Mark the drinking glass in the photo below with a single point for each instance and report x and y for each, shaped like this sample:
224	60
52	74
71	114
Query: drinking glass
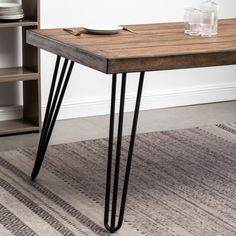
212	6
207	21
187	15
194	22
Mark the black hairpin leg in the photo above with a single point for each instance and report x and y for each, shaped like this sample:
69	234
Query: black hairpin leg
53	106
113	226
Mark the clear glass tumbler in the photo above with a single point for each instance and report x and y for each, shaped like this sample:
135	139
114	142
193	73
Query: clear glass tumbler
194	22
187	15
207	21
211	5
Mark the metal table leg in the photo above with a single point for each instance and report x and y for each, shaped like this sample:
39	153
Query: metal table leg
113	226
56	95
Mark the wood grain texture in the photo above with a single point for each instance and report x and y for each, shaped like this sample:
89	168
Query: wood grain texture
31	60
16	127
31	9
23	22
31	102
17	74
152	47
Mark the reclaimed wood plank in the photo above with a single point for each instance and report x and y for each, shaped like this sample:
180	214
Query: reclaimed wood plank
152	47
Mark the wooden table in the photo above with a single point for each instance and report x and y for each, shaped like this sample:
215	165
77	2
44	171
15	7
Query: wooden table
150	47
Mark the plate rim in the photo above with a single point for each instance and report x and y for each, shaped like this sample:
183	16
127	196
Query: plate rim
12	13
10	5
10	10
12	17
89	27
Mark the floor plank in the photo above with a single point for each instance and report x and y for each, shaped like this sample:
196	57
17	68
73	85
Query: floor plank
67	131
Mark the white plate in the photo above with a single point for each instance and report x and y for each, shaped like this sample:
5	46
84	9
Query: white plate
3	13
11	10
4	5
12	17
103	29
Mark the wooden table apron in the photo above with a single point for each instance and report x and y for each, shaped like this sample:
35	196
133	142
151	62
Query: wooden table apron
149	47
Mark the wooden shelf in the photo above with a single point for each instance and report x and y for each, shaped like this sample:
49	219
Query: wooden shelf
17	74
28	73
17	127
23	22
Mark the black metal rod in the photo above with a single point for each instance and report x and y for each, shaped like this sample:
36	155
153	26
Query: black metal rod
110	151
112	228
58	105
57	100
51	108
49	100
118	150
56	95
131	149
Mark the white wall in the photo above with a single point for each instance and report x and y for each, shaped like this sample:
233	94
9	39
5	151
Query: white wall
10	56
89	91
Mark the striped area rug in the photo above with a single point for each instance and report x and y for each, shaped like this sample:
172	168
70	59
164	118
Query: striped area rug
183	183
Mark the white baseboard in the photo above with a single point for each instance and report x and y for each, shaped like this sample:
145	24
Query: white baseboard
11	113
151	100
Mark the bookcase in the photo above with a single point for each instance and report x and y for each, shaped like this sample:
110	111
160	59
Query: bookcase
28	73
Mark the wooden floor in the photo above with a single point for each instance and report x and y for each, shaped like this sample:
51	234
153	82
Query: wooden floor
67	131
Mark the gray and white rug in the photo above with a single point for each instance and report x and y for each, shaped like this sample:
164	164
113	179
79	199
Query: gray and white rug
182	183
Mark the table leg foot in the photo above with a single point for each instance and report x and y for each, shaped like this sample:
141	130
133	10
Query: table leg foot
113	226
56	95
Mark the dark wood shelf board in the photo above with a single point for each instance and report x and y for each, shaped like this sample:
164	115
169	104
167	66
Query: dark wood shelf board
16	126
23	22
28	73
17	74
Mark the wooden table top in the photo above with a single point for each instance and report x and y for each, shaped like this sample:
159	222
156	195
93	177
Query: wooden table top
152	47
